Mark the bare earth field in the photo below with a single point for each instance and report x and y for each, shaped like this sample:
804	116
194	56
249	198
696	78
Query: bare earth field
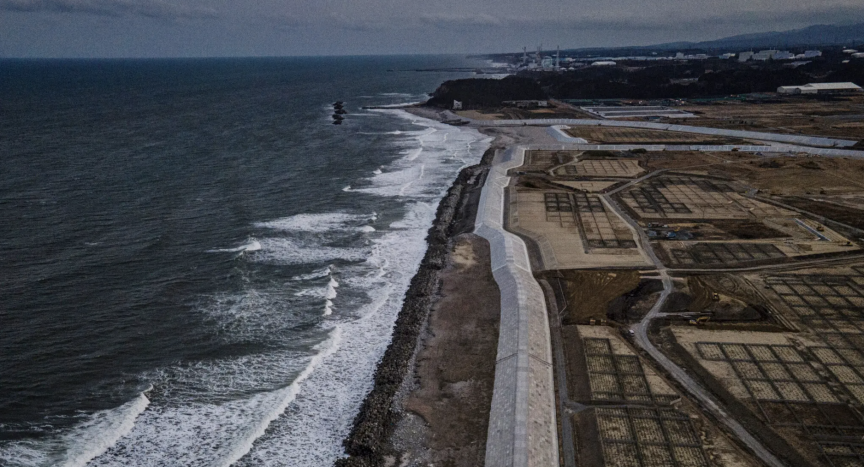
840	117
616	135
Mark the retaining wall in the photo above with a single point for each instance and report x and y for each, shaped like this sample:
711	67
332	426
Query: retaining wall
522	425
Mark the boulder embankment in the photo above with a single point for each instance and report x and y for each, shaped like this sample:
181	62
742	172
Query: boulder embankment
368	441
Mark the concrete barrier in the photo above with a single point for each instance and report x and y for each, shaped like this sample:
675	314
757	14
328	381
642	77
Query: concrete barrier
522	425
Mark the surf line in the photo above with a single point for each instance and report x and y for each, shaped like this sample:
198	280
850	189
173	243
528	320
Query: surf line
283	398
103	431
330	295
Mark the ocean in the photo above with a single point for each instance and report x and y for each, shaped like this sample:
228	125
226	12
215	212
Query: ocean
198	268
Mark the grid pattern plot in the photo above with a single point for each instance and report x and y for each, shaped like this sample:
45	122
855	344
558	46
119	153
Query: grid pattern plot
832	307
844	454
649	437
725	253
786	389
673	196
618	377
559	209
598	227
604	168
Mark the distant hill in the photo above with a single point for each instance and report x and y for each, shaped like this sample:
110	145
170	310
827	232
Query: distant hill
820	34
811	36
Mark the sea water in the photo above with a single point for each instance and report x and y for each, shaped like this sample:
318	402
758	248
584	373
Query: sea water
198	268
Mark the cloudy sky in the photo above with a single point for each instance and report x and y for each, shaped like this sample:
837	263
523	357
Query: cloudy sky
194	28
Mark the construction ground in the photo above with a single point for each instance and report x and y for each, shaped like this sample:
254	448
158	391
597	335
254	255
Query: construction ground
745	270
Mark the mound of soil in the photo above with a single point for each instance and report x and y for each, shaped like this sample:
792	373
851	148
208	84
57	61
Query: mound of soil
587	294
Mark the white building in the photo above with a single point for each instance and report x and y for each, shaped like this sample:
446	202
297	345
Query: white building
784	55
858	55
744	56
727	56
604	63
819	88
763	55
812	53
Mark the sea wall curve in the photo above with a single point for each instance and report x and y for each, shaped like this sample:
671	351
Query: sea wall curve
522	425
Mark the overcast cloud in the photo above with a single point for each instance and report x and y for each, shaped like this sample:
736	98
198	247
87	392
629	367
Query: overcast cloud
155	28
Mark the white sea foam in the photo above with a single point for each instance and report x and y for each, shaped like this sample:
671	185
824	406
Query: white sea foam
329	295
89	439
280	400
250	245
331	288
207	433
293	251
288	407
318	222
104	428
318	273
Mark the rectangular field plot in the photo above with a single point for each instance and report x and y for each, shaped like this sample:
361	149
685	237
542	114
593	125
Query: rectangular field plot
537	160
559	208
692	197
619	168
598	227
725	253
827	305
620	135
843	454
618	377
786	389
649	437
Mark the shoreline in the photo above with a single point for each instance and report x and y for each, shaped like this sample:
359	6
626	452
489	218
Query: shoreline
369	438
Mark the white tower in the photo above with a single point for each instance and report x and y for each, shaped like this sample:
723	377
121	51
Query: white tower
557	58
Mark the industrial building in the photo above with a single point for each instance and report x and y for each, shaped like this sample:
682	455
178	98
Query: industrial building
526	104
820	88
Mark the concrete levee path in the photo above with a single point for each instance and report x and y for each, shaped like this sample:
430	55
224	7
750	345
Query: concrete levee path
522	424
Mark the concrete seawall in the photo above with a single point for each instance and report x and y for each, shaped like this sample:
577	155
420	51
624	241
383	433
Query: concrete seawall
522	424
